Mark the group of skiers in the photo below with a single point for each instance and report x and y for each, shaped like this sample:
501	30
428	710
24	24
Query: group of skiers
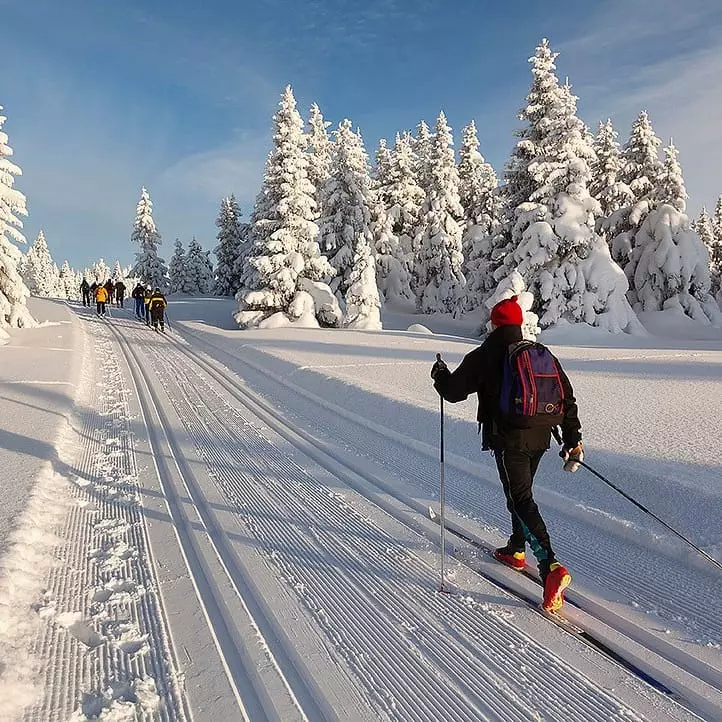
102	294
150	305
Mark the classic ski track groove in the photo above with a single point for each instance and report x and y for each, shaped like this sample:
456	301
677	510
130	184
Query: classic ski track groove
80	677
240	668
626	579
706	675
439	651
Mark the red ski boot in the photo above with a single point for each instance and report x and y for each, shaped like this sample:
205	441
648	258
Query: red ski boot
557	579
511	558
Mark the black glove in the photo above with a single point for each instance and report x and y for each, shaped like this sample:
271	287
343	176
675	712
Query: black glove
439	368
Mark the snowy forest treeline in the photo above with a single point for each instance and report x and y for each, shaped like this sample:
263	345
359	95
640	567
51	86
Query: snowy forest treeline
587	229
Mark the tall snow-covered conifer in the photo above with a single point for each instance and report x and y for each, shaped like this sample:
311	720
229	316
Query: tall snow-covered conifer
13	291
554	244
705	231
482	211
285	252
68	287
362	296
440	284
149	267
228	248
347	204
319	154
100	271
177	268
198	277
606	186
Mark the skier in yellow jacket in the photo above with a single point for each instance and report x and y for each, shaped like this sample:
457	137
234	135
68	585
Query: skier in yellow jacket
101	298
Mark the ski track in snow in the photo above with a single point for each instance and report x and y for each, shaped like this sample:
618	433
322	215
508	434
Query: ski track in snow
103	645
443	656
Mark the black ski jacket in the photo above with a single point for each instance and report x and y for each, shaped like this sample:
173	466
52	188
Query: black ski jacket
480	372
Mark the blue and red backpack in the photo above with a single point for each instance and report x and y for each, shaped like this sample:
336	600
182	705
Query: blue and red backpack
532	394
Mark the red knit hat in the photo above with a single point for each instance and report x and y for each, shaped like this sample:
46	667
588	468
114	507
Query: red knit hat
507	313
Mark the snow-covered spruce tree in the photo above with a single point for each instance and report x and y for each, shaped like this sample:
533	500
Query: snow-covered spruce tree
554	245
705	231
100	272
198	276
606	187
347	202
440	281
177	268
39	270
285	254
319	154
641	172
422	146
68	287
149	267
402	197
228	248
117	274
669	266
13	291
482	212
715	257
362	297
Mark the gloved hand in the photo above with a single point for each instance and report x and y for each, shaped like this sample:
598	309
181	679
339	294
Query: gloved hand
572	457
438	368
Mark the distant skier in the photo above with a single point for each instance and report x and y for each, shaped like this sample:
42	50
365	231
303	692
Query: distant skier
119	293
146	303
110	288
101	298
85	291
517	451
157	307
138	294
93	289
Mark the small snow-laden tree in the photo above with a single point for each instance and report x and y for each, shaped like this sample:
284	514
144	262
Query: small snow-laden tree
363	307
197	278
117	274
177	268
513	286
705	231
441	282
392	276
642	172
68	287
669	267
554	244
319	154
347	203
13	291
402	197
606	187
285	249
229	246
482	212
39	270
100	272
149	266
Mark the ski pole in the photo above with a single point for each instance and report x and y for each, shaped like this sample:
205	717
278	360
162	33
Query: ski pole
707	556
442	495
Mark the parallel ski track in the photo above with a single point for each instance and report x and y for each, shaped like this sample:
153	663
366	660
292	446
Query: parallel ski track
75	677
226	460
587	552
240	669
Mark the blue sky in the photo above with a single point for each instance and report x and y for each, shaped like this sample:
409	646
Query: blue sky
104	97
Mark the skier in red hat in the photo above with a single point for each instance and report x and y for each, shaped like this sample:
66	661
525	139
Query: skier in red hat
523	393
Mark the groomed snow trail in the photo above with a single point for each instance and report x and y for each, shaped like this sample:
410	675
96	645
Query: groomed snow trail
104	646
337	614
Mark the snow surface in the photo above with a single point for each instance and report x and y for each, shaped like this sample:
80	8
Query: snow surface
245	511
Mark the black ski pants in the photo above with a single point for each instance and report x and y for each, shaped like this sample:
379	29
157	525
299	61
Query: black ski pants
516	471
86	298
157	317
101	308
